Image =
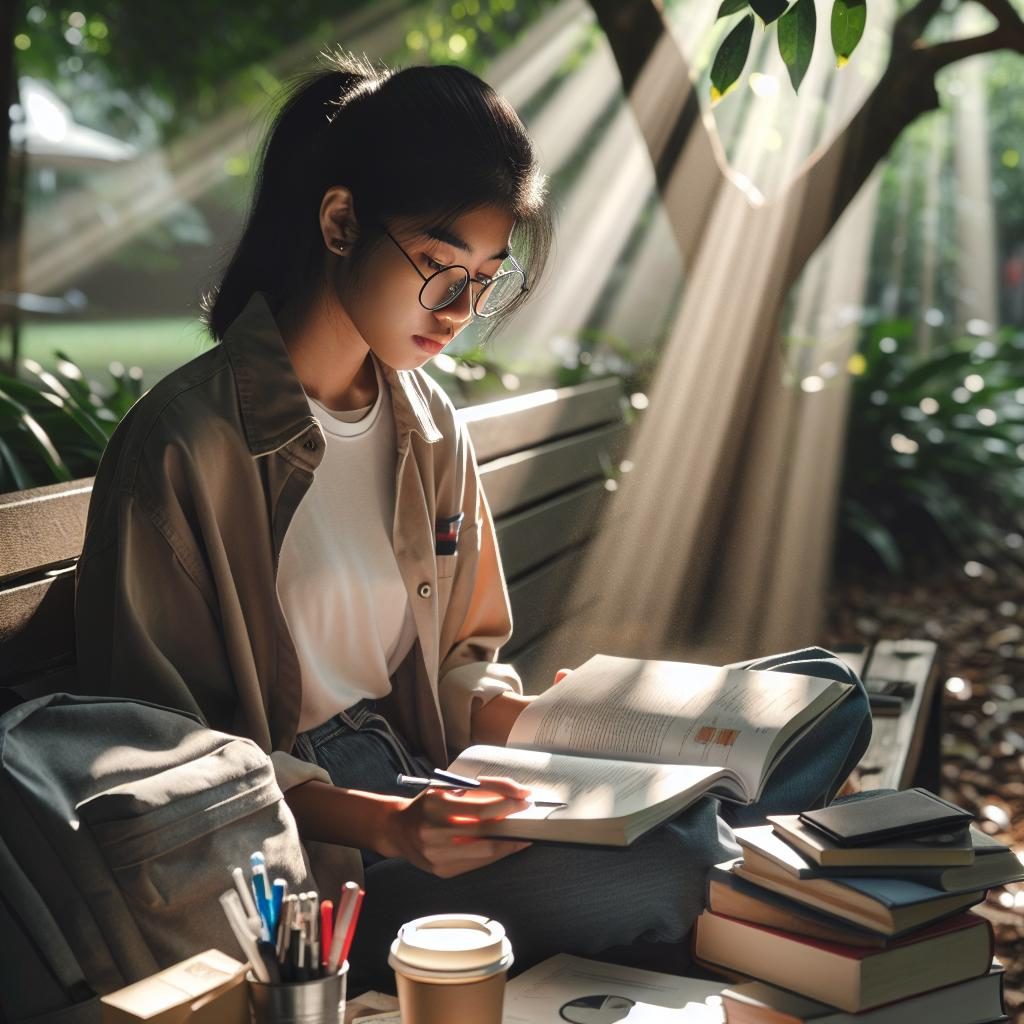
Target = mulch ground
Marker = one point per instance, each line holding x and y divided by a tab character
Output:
978	623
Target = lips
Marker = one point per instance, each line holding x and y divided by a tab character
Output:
428	345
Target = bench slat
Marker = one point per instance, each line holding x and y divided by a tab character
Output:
542	599
516	481
512	424
532	537
42	527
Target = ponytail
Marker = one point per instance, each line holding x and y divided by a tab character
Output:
272	256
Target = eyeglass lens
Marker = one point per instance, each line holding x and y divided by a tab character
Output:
445	287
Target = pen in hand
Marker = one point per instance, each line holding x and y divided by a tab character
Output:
463	783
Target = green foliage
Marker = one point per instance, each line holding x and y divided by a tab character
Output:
796	39
797	26
54	426
468	32
731	57
934	460
183	62
848	20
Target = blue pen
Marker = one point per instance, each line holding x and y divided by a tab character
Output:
261	890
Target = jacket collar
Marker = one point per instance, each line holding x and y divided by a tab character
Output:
273	405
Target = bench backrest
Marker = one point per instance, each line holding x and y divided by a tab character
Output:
544	458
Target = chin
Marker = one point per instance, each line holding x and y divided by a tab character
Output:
409	361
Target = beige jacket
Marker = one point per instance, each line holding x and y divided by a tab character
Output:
176	601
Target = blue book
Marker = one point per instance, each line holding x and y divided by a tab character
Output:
732	896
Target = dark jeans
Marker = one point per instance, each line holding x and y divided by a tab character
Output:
562	899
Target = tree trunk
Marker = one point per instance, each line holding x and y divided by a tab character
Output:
694	489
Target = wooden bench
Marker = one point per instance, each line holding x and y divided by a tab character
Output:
546	460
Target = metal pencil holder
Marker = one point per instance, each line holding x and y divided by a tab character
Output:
321	1001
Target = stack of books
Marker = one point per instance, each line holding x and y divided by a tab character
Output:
871	917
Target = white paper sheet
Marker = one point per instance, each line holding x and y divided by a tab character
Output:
569	988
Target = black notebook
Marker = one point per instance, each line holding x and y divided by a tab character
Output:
911	812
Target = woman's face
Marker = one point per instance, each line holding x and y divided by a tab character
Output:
383	303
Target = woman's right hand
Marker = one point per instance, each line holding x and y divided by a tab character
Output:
439	830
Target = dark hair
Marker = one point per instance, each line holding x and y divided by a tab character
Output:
424	143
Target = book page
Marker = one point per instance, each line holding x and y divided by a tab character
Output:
672	713
593	789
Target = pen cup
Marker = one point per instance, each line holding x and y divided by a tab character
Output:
321	1001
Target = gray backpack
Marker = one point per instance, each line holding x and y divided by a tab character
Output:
119	821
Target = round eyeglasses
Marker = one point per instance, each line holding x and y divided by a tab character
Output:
442	288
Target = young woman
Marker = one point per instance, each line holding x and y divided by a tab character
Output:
288	536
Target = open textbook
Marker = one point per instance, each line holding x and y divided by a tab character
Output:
626	744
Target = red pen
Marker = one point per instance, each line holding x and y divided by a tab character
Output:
344	915
326	930
351	933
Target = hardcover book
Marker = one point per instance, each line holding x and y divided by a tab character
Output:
990	863
851	978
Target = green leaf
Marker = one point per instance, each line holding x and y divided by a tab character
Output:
769	10
40	439
731	7
848	20
797	29
731	57
19	474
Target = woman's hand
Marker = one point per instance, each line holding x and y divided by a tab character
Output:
439	830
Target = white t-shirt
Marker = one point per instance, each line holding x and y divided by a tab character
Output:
338	581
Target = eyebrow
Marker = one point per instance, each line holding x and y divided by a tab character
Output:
441	234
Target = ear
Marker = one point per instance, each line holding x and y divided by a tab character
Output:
338	226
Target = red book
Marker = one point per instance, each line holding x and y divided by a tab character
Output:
853	978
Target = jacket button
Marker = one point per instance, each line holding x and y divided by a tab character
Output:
310	446
424	590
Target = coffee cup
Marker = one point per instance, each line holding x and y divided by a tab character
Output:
451	967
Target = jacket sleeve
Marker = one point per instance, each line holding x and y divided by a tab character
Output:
153	635
479	618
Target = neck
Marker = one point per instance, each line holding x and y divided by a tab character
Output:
329	356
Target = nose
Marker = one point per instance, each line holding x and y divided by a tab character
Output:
458	312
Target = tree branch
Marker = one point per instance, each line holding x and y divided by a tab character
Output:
942	54
831	178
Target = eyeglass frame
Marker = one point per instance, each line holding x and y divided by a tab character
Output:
516	268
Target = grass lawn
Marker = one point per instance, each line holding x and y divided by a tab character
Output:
157	345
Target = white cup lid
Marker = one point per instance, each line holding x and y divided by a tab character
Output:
452	944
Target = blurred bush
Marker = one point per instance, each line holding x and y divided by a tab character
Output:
934	463
54	425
